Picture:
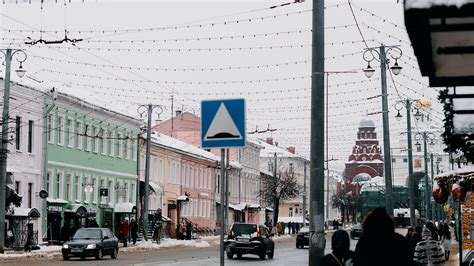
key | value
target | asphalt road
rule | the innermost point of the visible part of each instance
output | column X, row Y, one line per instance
column 285, row 254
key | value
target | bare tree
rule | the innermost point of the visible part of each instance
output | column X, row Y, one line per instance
column 274, row 190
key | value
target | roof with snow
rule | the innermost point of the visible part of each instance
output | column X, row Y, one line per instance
column 366, row 123
column 268, row 151
column 425, row 4
column 180, row 146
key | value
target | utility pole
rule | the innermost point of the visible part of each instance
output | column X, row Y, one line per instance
column 317, row 242
column 149, row 110
column 433, row 210
column 240, row 174
column 275, row 206
column 226, row 222
column 304, row 194
column 8, row 55
column 426, row 136
column 172, row 112
column 223, row 170
column 382, row 52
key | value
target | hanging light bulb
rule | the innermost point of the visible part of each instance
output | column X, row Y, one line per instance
column 396, row 69
column 398, row 116
column 369, row 71
column 20, row 71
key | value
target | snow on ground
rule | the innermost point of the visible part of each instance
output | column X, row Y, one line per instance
column 166, row 243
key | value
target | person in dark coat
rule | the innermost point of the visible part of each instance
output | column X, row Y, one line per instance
column 134, row 230
column 414, row 239
column 189, row 229
column 341, row 254
column 379, row 244
column 179, row 231
column 29, row 241
column 433, row 230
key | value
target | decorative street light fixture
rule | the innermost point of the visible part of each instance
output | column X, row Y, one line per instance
column 370, row 54
column 8, row 56
column 408, row 104
column 425, row 136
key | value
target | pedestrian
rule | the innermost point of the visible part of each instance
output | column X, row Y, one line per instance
column 189, row 229
column 335, row 224
column 428, row 251
column 65, row 232
column 29, row 241
column 283, row 227
column 433, row 230
column 279, row 228
column 341, row 254
column 409, row 233
column 290, row 225
column 10, row 237
column 125, row 229
column 297, row 228
column 379, row 244
column 134, row 230
column 414, row 239
column 179, row 231
column 446, row 241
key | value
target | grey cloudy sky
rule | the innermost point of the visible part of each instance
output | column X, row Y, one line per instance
column 274, row 80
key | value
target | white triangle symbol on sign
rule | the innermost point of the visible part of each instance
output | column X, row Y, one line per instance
column 222, row 126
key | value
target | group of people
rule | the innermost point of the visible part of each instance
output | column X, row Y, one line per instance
column 379, row 244
column 293, row 228
column 129, row 229
column 184, row 230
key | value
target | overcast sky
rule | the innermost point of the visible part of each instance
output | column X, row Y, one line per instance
column 274, row 80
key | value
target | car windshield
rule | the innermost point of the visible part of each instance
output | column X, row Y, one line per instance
column 87, row 234
column 244, row 229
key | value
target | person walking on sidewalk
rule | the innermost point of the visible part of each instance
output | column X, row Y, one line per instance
column 446, row 241
column 189, row 229
column 428, row 251
column 134, row 230
column 125, row 228
column 341, row 254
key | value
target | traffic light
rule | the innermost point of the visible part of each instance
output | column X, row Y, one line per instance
column 104, row 192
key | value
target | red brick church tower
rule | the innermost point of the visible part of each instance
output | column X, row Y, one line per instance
column 366, row 158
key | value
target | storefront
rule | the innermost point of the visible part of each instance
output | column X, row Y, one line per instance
column 122, row 211
column 21, row 226
column 55, row 209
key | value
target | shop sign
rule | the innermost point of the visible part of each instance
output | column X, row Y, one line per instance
column 55, row 208
column 467, row 217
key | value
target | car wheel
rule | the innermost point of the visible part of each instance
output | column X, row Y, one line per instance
column 114, row 253
column 99, row 255
column 270, row 255
column 83, row 258
column 65, row 257
column 239, row 255
column 230, row 255
column 297, row 245
column 263, row 254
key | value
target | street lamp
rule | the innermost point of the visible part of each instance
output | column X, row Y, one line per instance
column 425, row 136
column 8, row 56
column 370, row 55
column 408, row 103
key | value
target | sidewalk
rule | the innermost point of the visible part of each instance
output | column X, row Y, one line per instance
column 454, row 256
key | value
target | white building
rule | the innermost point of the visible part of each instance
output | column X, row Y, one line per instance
column 24, row 158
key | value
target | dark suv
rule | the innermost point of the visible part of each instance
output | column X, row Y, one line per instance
column 249, row 239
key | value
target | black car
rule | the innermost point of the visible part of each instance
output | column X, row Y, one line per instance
column 249, row 239
column 356, row 231
column 91, row 242
column 302, row 238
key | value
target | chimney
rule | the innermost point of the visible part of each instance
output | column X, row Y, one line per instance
column 178, row 113
column 270, row 140
column 291, row 150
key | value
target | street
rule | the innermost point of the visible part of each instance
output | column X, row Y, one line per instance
column 285, row 254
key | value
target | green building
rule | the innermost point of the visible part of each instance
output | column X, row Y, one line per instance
column 91, row 167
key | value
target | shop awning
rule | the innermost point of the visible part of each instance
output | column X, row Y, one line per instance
column 25, row 212
column 156, row 187
column 125, row 207
column 77, row 209
column 268, row 209
column 165, row 218
column 238, row 207
column 253, row 206
column 56, row 201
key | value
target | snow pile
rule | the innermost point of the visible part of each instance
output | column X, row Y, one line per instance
column 166, row 243
column 47, row 252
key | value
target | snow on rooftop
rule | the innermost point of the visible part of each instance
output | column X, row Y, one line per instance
column 268, row 150
column 176, row 144
column 425, row 4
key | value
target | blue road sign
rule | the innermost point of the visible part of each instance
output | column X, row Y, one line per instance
column 223, row 123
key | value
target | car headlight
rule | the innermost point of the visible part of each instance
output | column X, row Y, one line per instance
column 65, row 246
column 91, row 246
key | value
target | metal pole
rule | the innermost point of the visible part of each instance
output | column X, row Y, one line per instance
column 327, row 145
column 275, row 206
column 147, row 174
column 304, row 194
column 411, row 181
column 317, row 241
column 222, row 206
column 227, row 191
column 386, row 134
column 3, row 152
column 240, row 175
column 435, row 206
column 427, row 183
column 460, row 233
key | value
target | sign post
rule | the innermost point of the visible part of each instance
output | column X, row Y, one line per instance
column 223, row 126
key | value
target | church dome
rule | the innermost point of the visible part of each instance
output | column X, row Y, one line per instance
column 366, row 123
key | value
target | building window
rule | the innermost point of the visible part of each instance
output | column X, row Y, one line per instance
column 77, row 189
column 17, row 187
column 48, row 183
column 30, row 136
column 89, row 139
column 111, row 192
column 103, row 142
column 58, row 185
column 132, row 147
column 30, row 194
column 119, row 144
column 405, row 160
column 110, row 146
column 67, row 192
column 50, row 128
column 290, row 212
column 394, row 160
column 270, row 166
column 94, row 190
column 60, row 131
column 79, row 135
column 417, row 163
column 95, row 139
column 132, row 192
column 291, row 168
column 67, row 133
column 17, row 133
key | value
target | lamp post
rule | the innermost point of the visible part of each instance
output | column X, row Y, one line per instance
column 426, row 136
column 8, row 56
column 149, row 110
column 408, row 103
column 395, row 52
